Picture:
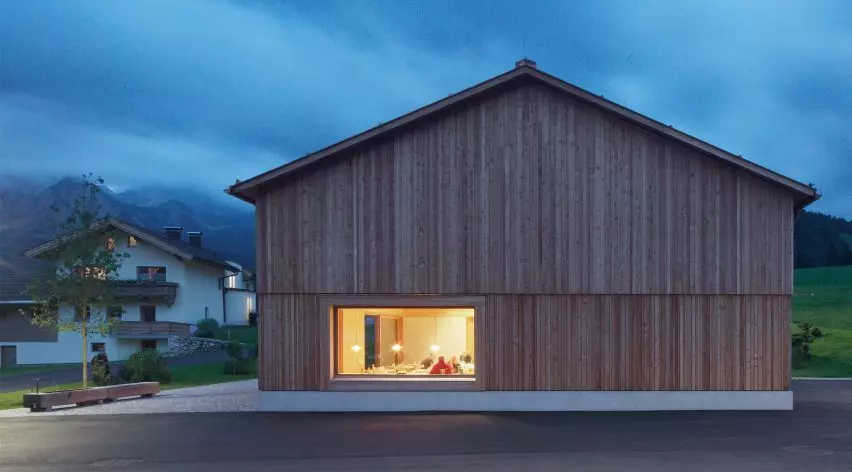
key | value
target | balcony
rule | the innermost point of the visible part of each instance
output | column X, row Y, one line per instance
column 148, row 329
column 148, row 291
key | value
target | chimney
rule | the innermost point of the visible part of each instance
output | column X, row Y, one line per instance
column 173, row 232
column 194, row 237
column 525, row 62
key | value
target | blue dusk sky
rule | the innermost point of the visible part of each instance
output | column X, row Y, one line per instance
column 199, row 93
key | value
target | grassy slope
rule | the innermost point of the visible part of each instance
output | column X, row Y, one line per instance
column 823, row 296
column 188, row 376
column 27, row 369
column 240, row 334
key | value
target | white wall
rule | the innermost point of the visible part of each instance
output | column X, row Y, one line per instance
column 524, row 401
column 198, row 289
column 238, row 304
column 419, row 332
column 198, row 283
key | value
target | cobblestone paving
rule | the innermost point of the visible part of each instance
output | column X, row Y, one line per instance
column 224, row 397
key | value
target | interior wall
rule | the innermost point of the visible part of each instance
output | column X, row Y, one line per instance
column 352, row 332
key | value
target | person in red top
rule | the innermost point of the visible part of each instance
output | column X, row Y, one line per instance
column 441, row 367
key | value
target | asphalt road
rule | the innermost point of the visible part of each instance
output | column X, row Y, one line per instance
column 816, row 436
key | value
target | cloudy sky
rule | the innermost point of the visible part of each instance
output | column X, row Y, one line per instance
column 203, row 92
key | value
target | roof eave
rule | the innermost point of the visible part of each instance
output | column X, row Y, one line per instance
column 247, row 190
column 56, row 242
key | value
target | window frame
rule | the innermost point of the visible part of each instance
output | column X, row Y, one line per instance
column 330, row 304
column 164, row 272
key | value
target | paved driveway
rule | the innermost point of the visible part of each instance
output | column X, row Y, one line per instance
column 816, row 436
column 223, row 397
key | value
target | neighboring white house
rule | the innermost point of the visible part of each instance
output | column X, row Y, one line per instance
column 167, row 285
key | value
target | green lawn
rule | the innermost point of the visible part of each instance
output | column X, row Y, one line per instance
column 240, row 334
column 187, row 376
column 823, row 296
column 27, row 369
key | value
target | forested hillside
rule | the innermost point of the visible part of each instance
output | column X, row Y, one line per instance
column 822, row 240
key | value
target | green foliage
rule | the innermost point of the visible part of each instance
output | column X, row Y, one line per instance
column 234, row 350
column 239, row 362
column 100, row 370
column 823, row 297
column 207, row 328
column 84, row 268
column 802, row 340
column 822, row 240
column 239, row 366
column 147, row 365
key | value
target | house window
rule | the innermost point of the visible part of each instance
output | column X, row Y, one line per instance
column 98, row 347
column 115, row 312
column 148, row 313
column 399, row 343
column 110, row 244
column 148, row 344
column 151, row 273
column 231, row 282
column 131, row 241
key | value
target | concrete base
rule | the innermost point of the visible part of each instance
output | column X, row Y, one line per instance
column 523, row 401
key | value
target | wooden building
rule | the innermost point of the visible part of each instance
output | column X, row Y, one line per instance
column 557, row 250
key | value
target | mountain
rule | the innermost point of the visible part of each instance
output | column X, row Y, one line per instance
column 228, row 224
column 26, row 216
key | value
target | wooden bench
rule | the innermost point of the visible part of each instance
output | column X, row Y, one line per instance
column 89, row 396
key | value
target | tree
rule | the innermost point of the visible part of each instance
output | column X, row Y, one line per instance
column 82, row 277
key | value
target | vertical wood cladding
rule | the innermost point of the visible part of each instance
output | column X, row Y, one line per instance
column 611, row 258
column 525, row 192
column 572, row 342
column 627, row 342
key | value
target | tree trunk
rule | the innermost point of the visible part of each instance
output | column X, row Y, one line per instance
column 85, row 335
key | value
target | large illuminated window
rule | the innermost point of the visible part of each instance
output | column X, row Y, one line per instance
column 405, row 342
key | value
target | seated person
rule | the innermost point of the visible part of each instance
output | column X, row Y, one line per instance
column 454, row 363
column 426, row 363
column 441, row 367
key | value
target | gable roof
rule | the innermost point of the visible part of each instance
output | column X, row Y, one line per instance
column 176, row 247
column 12, row 286
column 525, row 70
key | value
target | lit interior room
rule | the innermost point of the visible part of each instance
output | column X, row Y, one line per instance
column 405, row 342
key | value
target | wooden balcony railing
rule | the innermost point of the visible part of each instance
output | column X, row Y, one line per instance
column 144, row 290
column 149, row 329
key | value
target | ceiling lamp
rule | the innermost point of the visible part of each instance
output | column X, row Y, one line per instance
column 396, row 347
column 434, row 348
column 356, row 348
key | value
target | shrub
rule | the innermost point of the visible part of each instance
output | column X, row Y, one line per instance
column 238, row 362
column 234, row 349
column 147, row 365
column 803, row 339
column 239, row 366
column 100, row 370
column 207, row 328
